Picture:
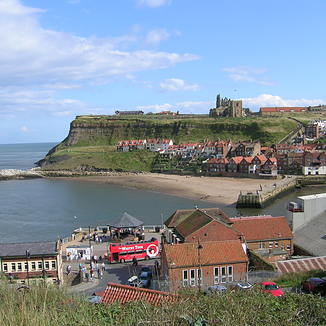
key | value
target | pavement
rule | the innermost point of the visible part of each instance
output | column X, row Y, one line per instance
column 114, row 273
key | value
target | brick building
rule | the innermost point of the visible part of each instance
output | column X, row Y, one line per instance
column 281, row 110
column 32, row 262
column 270, row 237
column 208, row 224
column 203, row 264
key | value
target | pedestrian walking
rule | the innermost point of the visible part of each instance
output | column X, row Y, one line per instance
column 103, row 267
column 99, row 274
column 68, row 269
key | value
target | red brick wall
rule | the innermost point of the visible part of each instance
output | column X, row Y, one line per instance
column 175, row 275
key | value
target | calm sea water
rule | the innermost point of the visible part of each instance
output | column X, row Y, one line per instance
column 22, row 156
column 41, row 209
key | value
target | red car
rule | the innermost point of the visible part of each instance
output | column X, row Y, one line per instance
column 272, row 288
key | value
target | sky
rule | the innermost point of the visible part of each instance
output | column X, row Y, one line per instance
column 62, row 58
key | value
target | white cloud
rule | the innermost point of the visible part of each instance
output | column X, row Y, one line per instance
column 274, row 100
column 154, row 3
column 175, row 84
column 16, row 101
column 156, row 36
column 38, row 56
column 24, row 129
column 248, row 74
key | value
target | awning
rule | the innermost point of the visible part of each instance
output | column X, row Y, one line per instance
column 126, row 221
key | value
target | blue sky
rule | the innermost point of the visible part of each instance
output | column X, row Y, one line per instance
column 67, row 57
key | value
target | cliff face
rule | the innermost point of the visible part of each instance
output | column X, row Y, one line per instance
column 110, row 131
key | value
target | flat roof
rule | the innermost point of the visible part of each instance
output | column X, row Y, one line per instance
column 313, row 196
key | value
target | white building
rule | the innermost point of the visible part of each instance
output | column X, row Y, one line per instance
column 79, row 252
column 305, row 209
column 313, row 170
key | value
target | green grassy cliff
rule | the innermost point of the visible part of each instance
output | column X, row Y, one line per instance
column 92, row 139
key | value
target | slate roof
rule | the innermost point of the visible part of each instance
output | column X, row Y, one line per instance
column 126, row 221
column 192, row 223
column 35, row 249
column 211, row 253
column 181, row 214
column 125, row 293
column 257, row 228
column 301, row 265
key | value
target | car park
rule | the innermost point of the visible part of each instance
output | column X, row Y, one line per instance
column 272, row 288
column 314, row 285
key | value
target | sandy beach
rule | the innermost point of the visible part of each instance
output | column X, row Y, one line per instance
column 213, row 189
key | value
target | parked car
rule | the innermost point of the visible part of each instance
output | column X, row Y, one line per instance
column 216, row 289
column 145, row 279
column 314, row 285
column 133, row 281
column 272, row 288
column 242, row 285
column 146, row 269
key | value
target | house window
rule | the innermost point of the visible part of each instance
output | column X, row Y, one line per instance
column 230, row 273
column 33, row 265
column 223, row 274
column 288, row 247
column 53, row 264
column 13, row 267
column 26, row 266
column 5, row 267
column 261, row 245
column 47, row 265
column 185, row 278
column 192, row 277
column 199, row 276
column 276, row 244
column 216, row 275
column 270, row 244
column 19, row 267
column 39, row 265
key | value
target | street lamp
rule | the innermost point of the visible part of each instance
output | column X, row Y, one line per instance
column 28, row 255
column 199, row 247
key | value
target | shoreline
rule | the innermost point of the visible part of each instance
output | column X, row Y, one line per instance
column 219, row 190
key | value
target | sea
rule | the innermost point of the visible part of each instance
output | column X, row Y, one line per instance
column 44, row 210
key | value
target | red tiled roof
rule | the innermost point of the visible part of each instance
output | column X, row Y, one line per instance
column 301, row 265
column 272, row 159
column 257, row 228
column 285, row 109
column 212, row 252
column 248, row 159
column 262, row 158
column 237, row 159
column 125, row 293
